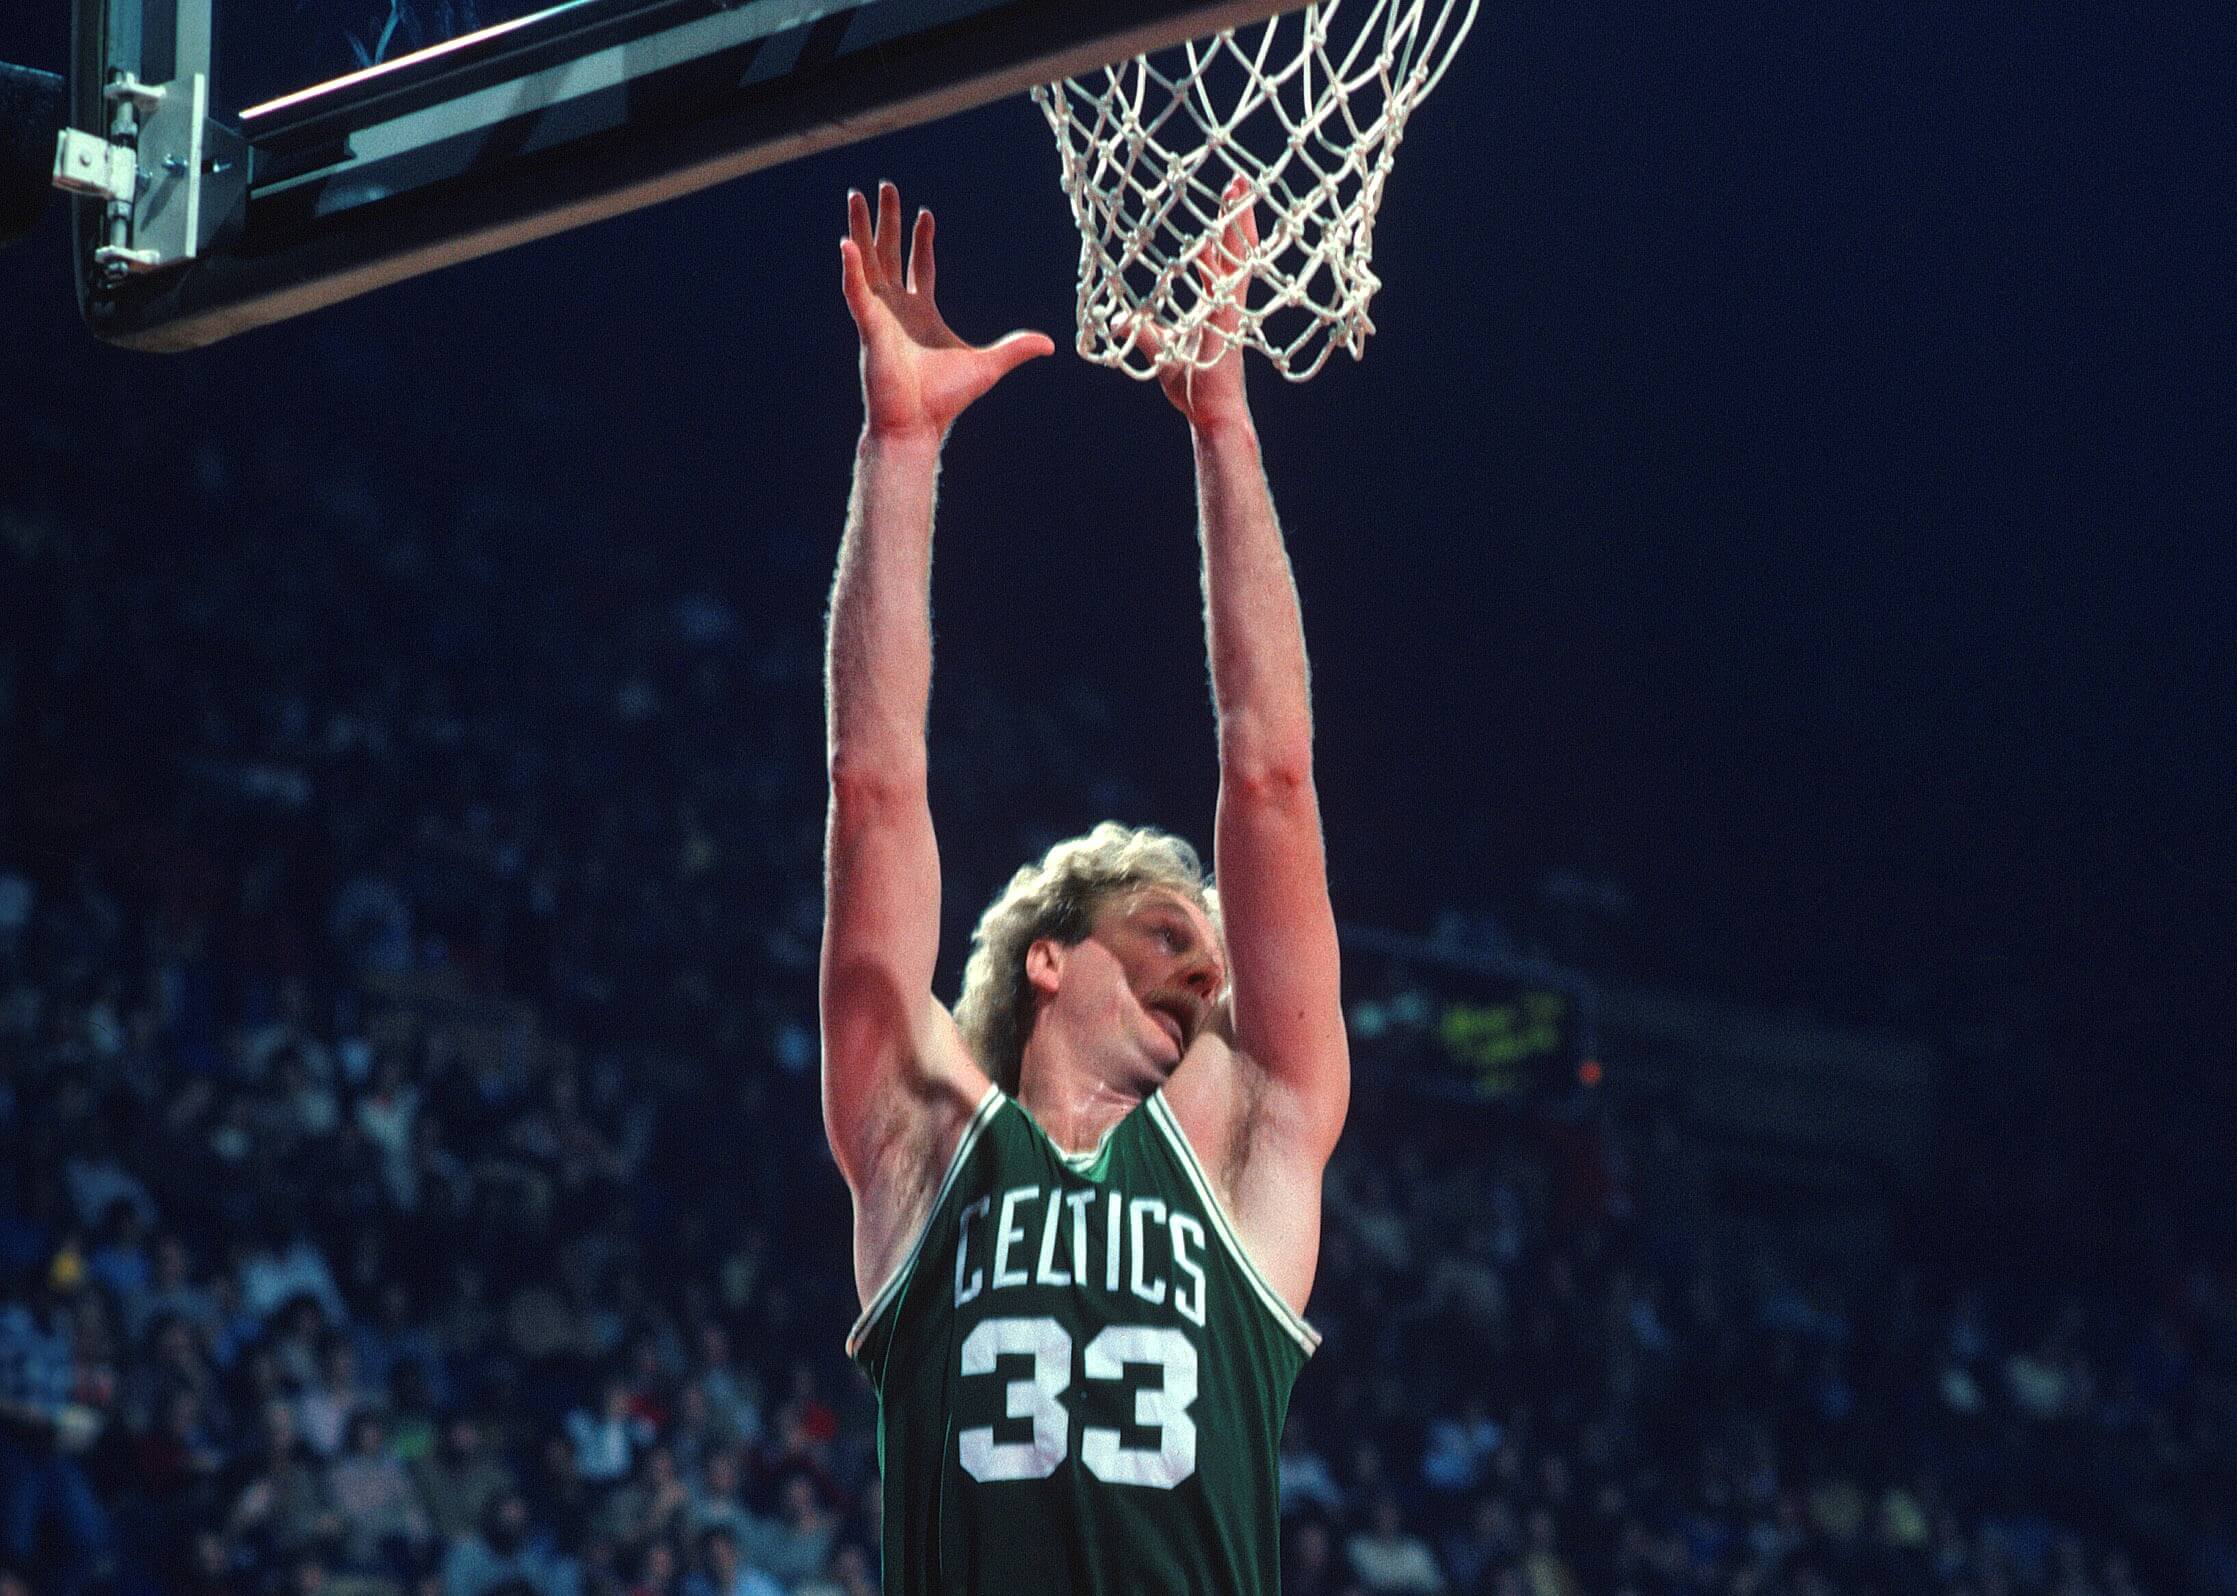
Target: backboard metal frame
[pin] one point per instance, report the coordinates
(584, 111)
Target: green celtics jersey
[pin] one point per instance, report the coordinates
(1081, 1378)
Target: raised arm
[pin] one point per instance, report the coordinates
(895, 1074)
(1293, 1066)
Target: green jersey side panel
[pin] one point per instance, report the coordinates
(1081, 1378)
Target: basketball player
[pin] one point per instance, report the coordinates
(1087, 1203)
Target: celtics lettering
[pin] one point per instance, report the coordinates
(1097, 1240)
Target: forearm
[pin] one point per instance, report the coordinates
(878, 646)
(1254, 635)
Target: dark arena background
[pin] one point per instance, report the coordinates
(1768, 584)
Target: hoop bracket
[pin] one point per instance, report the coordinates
(169, 176)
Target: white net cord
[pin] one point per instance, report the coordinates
(1308, 110)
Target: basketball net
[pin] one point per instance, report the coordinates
(1308, 111)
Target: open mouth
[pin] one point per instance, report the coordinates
(1176, 1021)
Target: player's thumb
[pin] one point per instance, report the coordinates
(1015, 350)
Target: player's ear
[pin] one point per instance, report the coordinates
(1044, 965)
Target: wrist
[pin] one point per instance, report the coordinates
(1215, 433)
(913, 440)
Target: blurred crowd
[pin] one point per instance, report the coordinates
(413, 1181)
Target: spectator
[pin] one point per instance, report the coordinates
(17, 896)
(119, 1263)
(172, 1362)
(1460, 1445)
(562, 1498)
(691, 1432)
(466, 1325)
(461, 1478)
(716, 1499)
(733, 1395)
(98, 1180)
(384, 1524)
(296, 1342)
(372, 918)
(237, 1329)
(503, 1554)
(178, 1459)
(1384, 1557)
(529, 888)
(43, 1432)
(1309, 1565)
(289, 1264)
(607, 1437)
(797, 1542)
(327, 1405)
(394, 1337)
(723, 1572)
(388, 1115)
(1545, 1572)
(1473, 1555)
(174, 1293)
(282, 1505)
(1306, 1479)
(33, 1212)
(658, 1361)
(651, 1505)
(852, 1573)
(657, 1572)
(290, 1032)
(208, 1568)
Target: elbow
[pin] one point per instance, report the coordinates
(1266, 755)
(869, 783)
(1271, 779)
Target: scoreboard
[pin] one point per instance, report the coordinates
(1462, 1025)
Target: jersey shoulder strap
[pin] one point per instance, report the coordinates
(1159, 1113)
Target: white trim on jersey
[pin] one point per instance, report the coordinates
(1287, 1317)
(1078, 1163)
(893, 1283)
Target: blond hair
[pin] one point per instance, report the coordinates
(1059, 896)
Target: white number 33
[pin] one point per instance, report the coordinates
(1164, 1408)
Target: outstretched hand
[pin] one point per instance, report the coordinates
(1211, 396)
(917, 375)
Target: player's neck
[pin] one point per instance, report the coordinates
(1074, 1102)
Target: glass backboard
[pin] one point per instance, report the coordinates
(292, 153)
(271, 49)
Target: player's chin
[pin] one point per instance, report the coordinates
(1159, 1061)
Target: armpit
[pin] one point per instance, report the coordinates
(1247, 1084)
